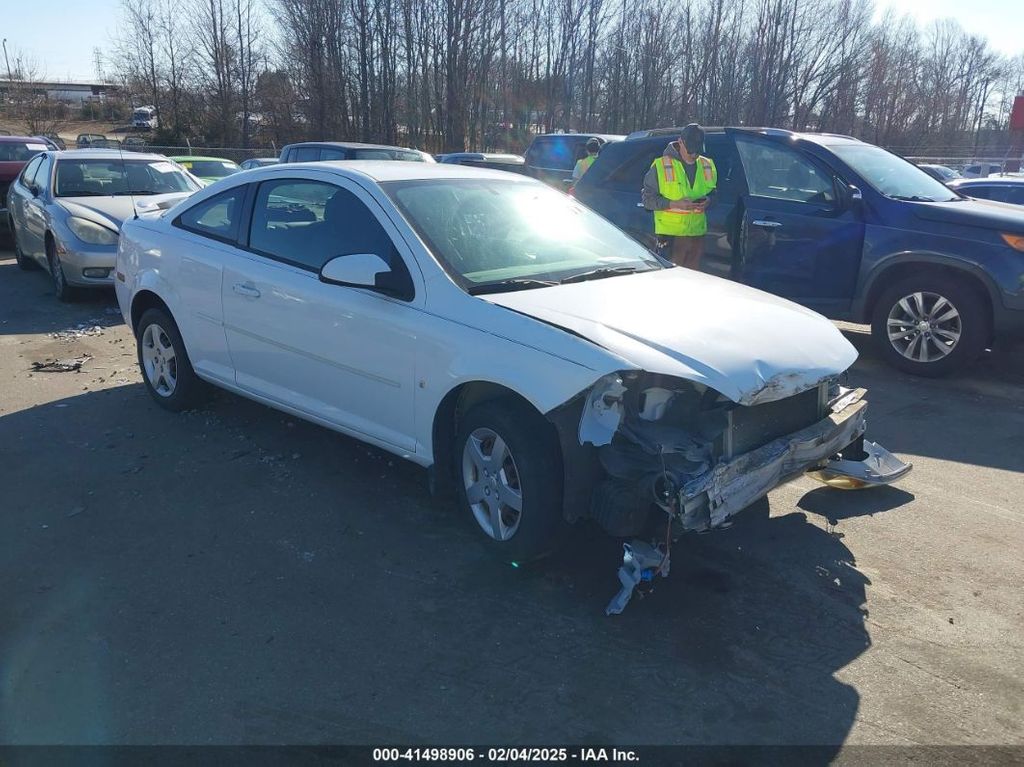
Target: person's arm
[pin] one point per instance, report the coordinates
(650, 195)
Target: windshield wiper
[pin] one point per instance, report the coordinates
(602, 272)
(136, 192)
(83, 193)
(911, 198)
(507, 286)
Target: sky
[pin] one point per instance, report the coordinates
(62, 41)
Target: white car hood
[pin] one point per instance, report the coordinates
(748, 345)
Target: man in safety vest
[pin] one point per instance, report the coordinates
(583, 164)
(676, 188)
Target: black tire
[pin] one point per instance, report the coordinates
(536, 468)
(61, 289)
(188, 389)
(972, 324)
(25, 263)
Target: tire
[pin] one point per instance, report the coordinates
(61, 289)
(532, 465)
(24, 263)
(933, 312)
(164, 363)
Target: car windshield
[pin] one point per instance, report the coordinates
(98, 178)
(496, 235)
(209, 168)
(16, 151)
(892, 175)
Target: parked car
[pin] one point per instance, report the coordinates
(981, 169)
(15, 152)
(134, 143)
(939, 172)
(207, 169)
(314, 151)
(145, 118)
(545, 364)
(65, 210)
(259, 162)
(847, 229)
(552, 156)
(1002, 188)
(514, 163)
(90, 139)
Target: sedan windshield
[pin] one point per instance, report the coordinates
(100, 178)
(891, 175)
(507, 235)
(16, 151)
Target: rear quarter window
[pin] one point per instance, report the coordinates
(628, 161)
(555, 152)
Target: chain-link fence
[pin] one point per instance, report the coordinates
(237, 154)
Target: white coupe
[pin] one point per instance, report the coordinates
(542, 363)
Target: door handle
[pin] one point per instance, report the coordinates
(767, 224)
(246, 290)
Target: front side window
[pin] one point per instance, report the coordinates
(42, 177)
(105, 178)
(332, 154)
(783, 174)
(307, 223)
(497, 234)
(217, 217)
(28, 175)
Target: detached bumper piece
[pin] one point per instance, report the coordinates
(874, 465)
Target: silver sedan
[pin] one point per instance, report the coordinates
(66, 210)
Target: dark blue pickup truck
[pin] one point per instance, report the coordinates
(847, 229)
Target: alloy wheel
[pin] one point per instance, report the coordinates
(158, 360)
(492, 484)
(924, 326)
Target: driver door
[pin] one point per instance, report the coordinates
(343, 355)
(796, 239)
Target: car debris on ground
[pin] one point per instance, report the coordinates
(71, 365)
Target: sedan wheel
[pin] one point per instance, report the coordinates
(491, 480)
(158, 360)
(509, 478)
(924, 326)
(61, 289)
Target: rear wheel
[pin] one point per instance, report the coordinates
(930, 325)
(166, 369)
(510, 479)
(24, 262)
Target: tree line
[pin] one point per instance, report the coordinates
(486, 74)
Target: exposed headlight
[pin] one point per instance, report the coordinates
(1015, 241)
(94, 234)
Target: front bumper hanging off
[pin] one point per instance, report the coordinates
(832, 451)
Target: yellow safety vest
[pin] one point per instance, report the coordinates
(584, 163)
(673, 185)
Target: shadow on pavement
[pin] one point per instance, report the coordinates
(286, 584)
(835, 505)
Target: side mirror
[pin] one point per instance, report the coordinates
(366, 270)
(850, 196)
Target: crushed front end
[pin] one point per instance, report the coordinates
(668, 446)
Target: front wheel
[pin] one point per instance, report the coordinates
(61, 289)
(510, 479)
(930, 325)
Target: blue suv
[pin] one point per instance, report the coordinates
(847, 229)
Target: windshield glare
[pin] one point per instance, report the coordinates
(93, 178)
(485, 231)
(891, 175)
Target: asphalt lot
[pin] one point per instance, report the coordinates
(232, 575)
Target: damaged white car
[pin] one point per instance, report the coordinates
(538, 360)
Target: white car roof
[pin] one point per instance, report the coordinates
(392, 170)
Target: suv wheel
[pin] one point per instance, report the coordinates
(929, 325)
(166, 369)
(510, 479)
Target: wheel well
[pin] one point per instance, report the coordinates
(916, 268)
(145, 300)
(446, 423)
